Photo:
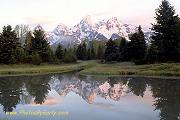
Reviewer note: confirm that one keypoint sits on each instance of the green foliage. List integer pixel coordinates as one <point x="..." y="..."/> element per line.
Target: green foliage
<point x="137" y="50"/>
<point x="111" y="52"/>
<point x="122" y="44"/>
<point x="93" y="53"/>
<point x="152" y="54"/>
<point x="40" y="45"/>
<point x="166" y="32"/>
<point x="28" y="43"/>
<point x="50" y="55"/>
<point x="20" y="55"/>
<point x="36" y="59"/>
<point x="8" y="45"/>
<point x="59" y="52"/>
<point x="81" y="51"/>
<point x="70" y="57"/>
<point x="123" y="50"/>
<point x="89" y="54"/>
<point x="100" y="52"/>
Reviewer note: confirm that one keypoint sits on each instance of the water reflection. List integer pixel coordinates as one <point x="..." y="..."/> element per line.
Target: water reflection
<point x="25" y="90"/>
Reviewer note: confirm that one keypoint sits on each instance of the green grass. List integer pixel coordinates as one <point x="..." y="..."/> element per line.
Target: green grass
<point x="28" y="69"/>
<point x="125" y="68"/>
<point x="95" y="68"/>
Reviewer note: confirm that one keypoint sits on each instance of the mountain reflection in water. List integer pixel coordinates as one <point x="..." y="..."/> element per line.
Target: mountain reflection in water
<point x="35" y="89"/>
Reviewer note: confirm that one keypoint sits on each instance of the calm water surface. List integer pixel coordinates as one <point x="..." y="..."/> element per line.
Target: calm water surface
<point x="73" y="97"/>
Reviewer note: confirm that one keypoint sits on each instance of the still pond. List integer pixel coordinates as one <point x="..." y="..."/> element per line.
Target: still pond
<point x="74" y="97"/>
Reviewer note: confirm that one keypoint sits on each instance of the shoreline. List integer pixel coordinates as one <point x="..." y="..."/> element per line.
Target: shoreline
<point x="94" y="68"/>
<point x="44" y="69"/>
<point x="135" y="76"/>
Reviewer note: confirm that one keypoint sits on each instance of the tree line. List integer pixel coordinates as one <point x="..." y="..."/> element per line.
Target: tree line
<point x="164" y="46"/>
<point x="35" y="48"/>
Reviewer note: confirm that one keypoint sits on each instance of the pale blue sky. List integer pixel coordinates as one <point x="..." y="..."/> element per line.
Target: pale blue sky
<point x="51" y="12"/>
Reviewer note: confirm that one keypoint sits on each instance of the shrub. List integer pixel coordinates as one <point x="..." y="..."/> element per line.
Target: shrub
<point x="36" y="59"/>
<point x="20" y="55"/>
<point x="70" y="57"/>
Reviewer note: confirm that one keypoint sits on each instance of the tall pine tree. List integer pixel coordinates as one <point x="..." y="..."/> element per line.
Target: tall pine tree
<point x="111" y="52"/>
<point x="122" y="49"/>
<point x="40" y="44"/>
<point x="8" y="45"/>
<point x="166" y="32"/>
<point x="81" y="51"/>
<point x="137" y="46"/>
<point x="100" y="52"/>
<point x="59" y="52"/>
<point x="28" y="43"/>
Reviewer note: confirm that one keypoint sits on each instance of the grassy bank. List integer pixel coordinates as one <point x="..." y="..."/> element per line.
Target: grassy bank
<point x="164" y="69"/>
<point x="27" y="69"/>
<point x="94" y="68"/>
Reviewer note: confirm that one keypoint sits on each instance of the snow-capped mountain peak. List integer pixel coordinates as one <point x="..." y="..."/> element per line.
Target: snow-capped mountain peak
<point x="113" y="23"/>
<point x="87" y="20"/>
<point x="39" y="27"/>
<point x="61" y="29"/>
<point x="115" y="27"/>
<point x="88" y="29"/>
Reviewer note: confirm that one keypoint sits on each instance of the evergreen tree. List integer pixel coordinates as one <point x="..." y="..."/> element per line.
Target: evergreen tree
<point x="152" y="53"/>
<point x="166" y="32"/>
<point x="126" y="53"/>
<point x="111" y="52"/>
<point x="122" y="49"/>
<point x="70" y="57"/>
<point x="137" y="46"/>
<point x="81" y="52"/>
<point x="8" y="44"/>
<point x="122" y="44"/>
<point x="51" y="56"/>
<point x="40" y="44"/>
<point x="59" y="52"/>
<point x="20" y="55"/>
<point x="28" y="44"/>
<point x="93" y="53"/>
<point x="100" y="52"/>
<point x="89" y="54"/>
<point x="35" y="58"/>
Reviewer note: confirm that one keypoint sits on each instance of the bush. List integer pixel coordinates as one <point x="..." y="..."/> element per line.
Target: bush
<point x="59" y="52"/>
<point x="51" y="56"/>
<point x="36" y="59"/>
<point x="20" y="55"/>
<point x="70" y="57"/>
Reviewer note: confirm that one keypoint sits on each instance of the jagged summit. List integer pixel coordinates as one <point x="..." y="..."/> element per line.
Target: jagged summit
<point x="61" y="29"/>
<point x="88" y="29"/>
<point x="39" y="27"/>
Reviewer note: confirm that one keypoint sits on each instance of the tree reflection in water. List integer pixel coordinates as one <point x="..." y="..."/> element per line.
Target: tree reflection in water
<point x="10" y="91"/>
<point x="167" y="98"/>
<point x="17" y="90"/>
<point x="38" y="88"/>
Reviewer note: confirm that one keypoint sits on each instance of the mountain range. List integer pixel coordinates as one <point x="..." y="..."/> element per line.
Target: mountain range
<point x="86" y="29"/>
<point x="89" y="30"/>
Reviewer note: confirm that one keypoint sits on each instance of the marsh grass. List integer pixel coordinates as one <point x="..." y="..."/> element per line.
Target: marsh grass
<point x="25" y="69"/>
<point x="94" y="68"/>
<point x="164" y="69"/>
